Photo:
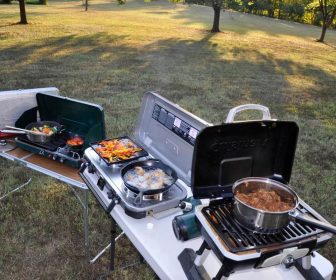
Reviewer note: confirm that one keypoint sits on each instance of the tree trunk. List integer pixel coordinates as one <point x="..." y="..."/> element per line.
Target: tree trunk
<point x="324" y="30"/>
<point x="23" y="17"/>
<point x="215" y="26"/>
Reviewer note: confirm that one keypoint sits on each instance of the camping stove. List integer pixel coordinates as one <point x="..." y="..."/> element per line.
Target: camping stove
<point x="237" y="248"/>
<point x="106" y="184"/>
<point x="75" y="116"/>
<point x="224" y="154"/>
<point x="56" y="150"/>
<point x="166" y="132"/>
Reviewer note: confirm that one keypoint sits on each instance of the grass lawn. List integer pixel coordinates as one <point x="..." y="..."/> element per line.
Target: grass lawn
<point x="112" y="55"/>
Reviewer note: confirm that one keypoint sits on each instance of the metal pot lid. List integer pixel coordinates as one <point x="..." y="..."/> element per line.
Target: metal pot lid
<point x="228" y="152"/>
<point x="7" y="145"/>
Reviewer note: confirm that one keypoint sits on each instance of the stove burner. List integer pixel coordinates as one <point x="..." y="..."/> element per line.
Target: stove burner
<point x="67" y="151"/>
<point x="138" y="198"/>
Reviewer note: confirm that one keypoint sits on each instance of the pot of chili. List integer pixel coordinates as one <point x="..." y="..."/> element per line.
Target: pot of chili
<point x="265" y="205"/>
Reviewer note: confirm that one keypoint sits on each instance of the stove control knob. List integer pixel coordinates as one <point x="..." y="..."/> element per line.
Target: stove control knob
<point x="54" y="157"/>
<point x="288" y="261"/>
<point x="101" y="183"/>
<point x="91" y="168"/>
<point x="110" y="194"/>
<point x="61" y="160"/>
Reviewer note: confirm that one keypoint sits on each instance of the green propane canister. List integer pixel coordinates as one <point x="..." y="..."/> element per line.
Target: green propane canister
<point x="185" y="226"/>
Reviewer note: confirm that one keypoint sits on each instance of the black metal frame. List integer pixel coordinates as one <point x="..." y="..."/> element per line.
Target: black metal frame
<point x="239" y="239"/>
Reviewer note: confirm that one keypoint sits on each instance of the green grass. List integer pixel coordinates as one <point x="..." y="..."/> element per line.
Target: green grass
<point x="112" y="55"/>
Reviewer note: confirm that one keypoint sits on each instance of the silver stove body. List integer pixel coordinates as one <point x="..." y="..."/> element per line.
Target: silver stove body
<point x="167" y="132"/>
<point x="114" y="183"/>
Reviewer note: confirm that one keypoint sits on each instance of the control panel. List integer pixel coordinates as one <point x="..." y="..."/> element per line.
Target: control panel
<point x="175" y="124"/>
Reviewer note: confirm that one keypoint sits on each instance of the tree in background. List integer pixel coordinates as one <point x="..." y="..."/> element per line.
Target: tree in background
<point x="23" y="17"/>
<point x="327" y="10"/>
<point x="217" y="7"/>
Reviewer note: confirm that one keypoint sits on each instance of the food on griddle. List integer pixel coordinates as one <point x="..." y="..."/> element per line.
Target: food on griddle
<point x="267" y="200"/>
<point x="117" y="149"/>
<point x="148" y="178"/>
<point x="46" y="129"/>
<point x="75" y="141"/>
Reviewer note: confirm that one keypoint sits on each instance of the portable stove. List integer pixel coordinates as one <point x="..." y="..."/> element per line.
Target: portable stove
<point x="166" y="132"/>
<point x="77" y="117"/>
<point x="224" y="154"/>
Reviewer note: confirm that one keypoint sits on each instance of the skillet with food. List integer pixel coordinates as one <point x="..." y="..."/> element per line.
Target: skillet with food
<point x="148" y="177"/>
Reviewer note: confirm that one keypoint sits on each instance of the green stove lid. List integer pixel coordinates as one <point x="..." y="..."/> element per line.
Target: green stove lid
<point x="76" y="116"/>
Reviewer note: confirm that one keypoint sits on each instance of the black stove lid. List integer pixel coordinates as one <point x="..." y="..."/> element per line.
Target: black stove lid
<point x="228" y="152"/>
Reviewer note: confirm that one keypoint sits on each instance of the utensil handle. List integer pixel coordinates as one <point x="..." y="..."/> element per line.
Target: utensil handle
<point x="17" y="128"/>
<point x="265" y="111"/>
<point x="313" y="222"/>
<point x="25" y="130"/>
<point x="12" y="131"/>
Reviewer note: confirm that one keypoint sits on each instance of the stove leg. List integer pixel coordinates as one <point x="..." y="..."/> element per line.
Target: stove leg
<point x="113" y="237"/>
<point x="202" y="248"/>
<point x="221" y="273"/>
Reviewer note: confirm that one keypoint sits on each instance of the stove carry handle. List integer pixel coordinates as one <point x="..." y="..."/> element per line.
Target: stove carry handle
<point x="265" y="111"/>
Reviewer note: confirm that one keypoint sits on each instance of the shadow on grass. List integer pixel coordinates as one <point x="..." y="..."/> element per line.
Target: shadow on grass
<point x="232" y="21"/>
<point x="204" y="79"/>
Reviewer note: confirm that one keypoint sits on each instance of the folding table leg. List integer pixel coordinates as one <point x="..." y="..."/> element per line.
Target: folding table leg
<point x="16" y="189"/>
<point x="113" y="237"/>
<point x="86" y="223"/>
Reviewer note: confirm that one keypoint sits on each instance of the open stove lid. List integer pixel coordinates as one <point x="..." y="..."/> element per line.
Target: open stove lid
<point x="168" y="133"/>
<point x="78" y="117"/>
<point x="231" y="151"/>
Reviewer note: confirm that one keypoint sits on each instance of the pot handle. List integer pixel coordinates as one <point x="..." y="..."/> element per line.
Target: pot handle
<point x="235" y="110"/>
<point x="139" y="197"/>
<point x="295" y="215"/>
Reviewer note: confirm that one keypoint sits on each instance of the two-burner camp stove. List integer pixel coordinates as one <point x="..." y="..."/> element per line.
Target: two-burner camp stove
<point x="166" y="132"/>
<point x="75" y="116"/>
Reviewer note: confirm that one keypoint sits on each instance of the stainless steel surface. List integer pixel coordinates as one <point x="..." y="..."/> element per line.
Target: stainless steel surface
<point x="235" y="110"/>
<point x="164" y="143"/>
<point x="113" y="180"/>
<point x="7" y="145"/>
<point x="260" y="220"/>
<point x="256" y="219"/>
<point x="33" y="136"/>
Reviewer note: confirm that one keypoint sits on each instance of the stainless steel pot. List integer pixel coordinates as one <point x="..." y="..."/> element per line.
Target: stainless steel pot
<point x="267" y="221"/>
<point x="42" y="138"/>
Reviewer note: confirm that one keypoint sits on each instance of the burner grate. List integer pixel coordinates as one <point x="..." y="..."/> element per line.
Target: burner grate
<point x="58" y="141"/>
<point x="238" y="238"/>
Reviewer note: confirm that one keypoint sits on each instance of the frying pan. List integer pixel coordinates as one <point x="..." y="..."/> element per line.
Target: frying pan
<point x="42" y="138"/>
<point x="75" y="147"/>
<point x="149" y="164"/>
<point x="267" y="221"/>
